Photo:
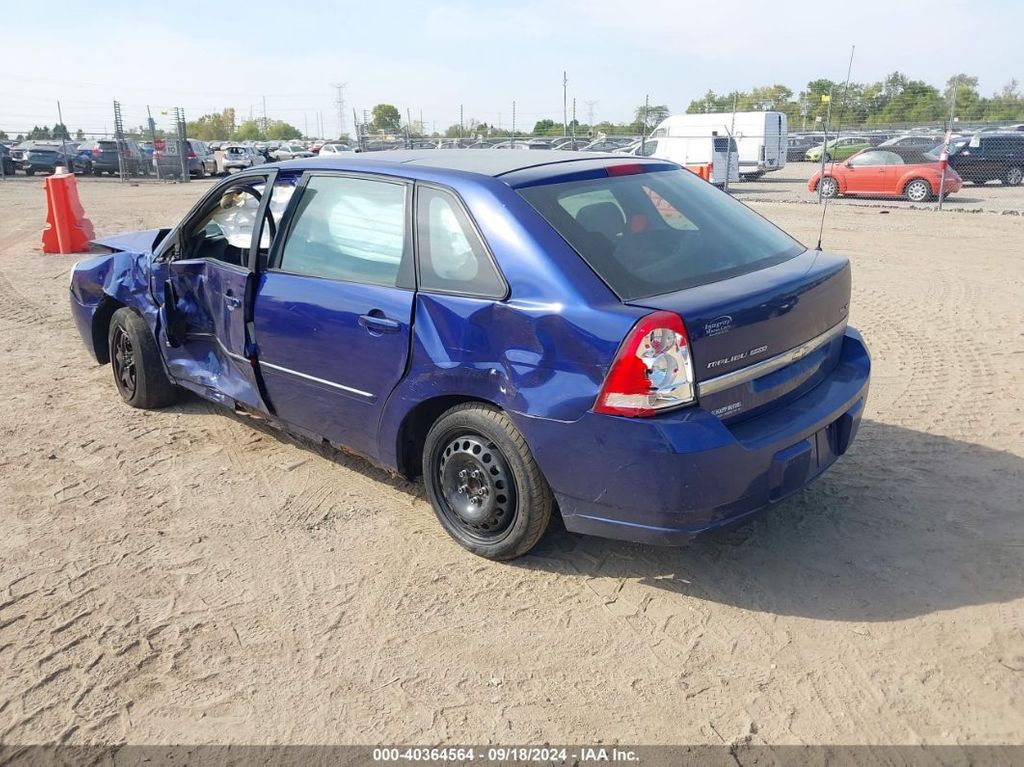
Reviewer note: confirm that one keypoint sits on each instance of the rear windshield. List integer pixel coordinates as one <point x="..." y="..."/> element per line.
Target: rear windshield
<point x="651" y="233"/>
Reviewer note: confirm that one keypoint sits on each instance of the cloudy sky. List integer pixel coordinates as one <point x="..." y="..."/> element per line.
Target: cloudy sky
<point x="430" y="57"/>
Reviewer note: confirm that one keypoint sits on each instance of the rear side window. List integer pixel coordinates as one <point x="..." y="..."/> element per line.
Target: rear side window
<point x="348" y="229"/>
<point x="453" y="258"/>
<point x="665" y="231"/>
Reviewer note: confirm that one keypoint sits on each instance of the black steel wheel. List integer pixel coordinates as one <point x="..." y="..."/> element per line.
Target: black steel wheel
<point x="135" y="358"/>
<point x="477" y="488"/>
<point x="483" y="482"/>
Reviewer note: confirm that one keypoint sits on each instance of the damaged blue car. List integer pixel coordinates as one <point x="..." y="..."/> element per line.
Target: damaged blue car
<point x="608" y="338"/>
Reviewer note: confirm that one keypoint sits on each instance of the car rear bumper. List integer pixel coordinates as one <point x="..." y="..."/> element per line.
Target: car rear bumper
<point x="666" y="479"/>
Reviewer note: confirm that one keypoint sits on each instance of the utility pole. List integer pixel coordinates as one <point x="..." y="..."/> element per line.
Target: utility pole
<point x="565" y="111"/>
<point x="461" y="124"/>
<point x="513" y="144"/>
<point x="339" y="102"/>
<point x="643" y="134"/>
<point x="63" y="144"/>
<point x="263" y="130"/>
<point x="944" y="157"/>
<point x="152" y="137"/>
<point x="590" y="112"/>
<point x="573" y="123"/>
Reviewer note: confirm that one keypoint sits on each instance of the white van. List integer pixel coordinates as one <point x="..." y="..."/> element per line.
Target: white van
<point x="695" y="153"/>
<point x="762" y="137"/>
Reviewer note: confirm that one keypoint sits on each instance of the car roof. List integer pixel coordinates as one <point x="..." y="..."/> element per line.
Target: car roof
<point x="908" y="153"/>
<point x="487" y="163"/>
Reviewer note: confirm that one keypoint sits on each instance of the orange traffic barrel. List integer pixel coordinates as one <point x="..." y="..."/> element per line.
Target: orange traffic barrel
<point x="67" y="229"/>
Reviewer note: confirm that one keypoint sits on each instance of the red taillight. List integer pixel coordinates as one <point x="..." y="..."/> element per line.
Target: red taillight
<point x="625" y="169"/>
<point x="95" y="151"/>
<point x="652" y="370"/>
<point x="191" y="155"/>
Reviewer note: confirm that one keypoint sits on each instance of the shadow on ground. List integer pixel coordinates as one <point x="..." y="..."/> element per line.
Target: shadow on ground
<point x="908" y="523"/>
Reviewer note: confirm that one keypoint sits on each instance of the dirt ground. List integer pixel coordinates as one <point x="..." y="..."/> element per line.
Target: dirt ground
<point x="185" y="577"/>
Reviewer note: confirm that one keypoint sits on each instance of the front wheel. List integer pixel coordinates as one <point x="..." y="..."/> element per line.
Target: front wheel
<point x="1014" y="176"/>
<point x="829" y="187"/>
<point x="484" y="484"/>
<point x="918" y="190"/>
<point x="135" y="358"/>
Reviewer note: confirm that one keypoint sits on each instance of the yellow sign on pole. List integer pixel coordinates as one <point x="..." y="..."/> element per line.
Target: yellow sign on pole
<point x="825" y="98"/>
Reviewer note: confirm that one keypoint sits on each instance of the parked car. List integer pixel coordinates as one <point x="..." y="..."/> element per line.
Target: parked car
<point x="238" y="157"/>
<point x="892" y="171"/>
<point x="9" y="166"/>
<point x="199" y="159"/>
<point x="838" y="149"/>
<point x="329" y="150"/>
<point x="290" y="152"/>
<point x="515" y="342"/>
<point x="990" y="157"/>
<point x="570" y="144"/>
<point x="922" y="141"/>
<point x="605" y="145"/>
<point x="797" y="146"/>
<point x="46" y="158"/>
<point x="107" y="159"/>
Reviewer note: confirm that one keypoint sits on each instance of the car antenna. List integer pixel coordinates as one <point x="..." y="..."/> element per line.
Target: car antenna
<point x="839" y="127"/>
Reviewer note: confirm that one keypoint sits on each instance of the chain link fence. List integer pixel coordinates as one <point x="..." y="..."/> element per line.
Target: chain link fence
<point x="843" y="143"/>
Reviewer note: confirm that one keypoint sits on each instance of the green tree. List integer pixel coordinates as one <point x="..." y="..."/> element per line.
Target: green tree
<point x="386" y="118"/>
<point x="79" y="135"/>
<point x="542" y="127"/>
<point x="279" y="130"/>
<point x="4" y="136"/>
<point x="60" y="131"/>
<point x="249" y="130"/>
<point x="969" y="103"/>
<point x="39" y="134"/>
<point x="647" y="117"/>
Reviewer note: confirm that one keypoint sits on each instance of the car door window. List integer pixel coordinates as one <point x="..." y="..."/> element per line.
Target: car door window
<point x="225" y="232"/>
<point x="452" y="256"/>
<point x="347" y="228"/>
<point x="867" y="159"/>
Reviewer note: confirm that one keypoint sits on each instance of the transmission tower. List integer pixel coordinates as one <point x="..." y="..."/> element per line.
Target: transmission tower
<point x="339" y="103"/>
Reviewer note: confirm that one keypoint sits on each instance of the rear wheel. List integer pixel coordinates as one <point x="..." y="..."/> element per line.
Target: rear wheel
<point x="829" y="187"/>
<point x="29" y="172"/>
<point x="917" y="190"/>
<point x="1014" y="176"/>
<point x="486" y="489"/>
<point x="138" y="370"/>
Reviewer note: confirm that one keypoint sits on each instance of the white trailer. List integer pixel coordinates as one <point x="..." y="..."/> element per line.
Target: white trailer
<point x="710" y="154"/>
<point x="762" y="137"/>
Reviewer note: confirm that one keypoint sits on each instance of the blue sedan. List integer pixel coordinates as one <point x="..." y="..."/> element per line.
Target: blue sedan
<point x="605" y="337"/>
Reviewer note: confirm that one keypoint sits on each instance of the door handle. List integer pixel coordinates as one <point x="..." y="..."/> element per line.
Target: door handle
<point x="376" y="322"/>
<point x="232" y="302"/>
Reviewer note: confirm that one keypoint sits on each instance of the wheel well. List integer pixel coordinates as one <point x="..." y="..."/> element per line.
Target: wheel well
<point x="101" y="327"/>
<point x="413" y="432"/>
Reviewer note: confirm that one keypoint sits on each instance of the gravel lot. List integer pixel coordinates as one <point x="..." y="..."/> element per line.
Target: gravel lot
<point x="187" y="577"/>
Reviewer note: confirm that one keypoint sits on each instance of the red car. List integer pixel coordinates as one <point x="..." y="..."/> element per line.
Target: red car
<point x="891" y="171"/>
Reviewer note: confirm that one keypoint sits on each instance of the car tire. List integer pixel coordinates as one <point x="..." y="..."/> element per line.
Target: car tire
<point x="1014" y="175"/>
<point x="829" y="187"/>
<point x="917" y="190"/>
<point x="135" y="359"/>
<point x="483" y="483"/>
<point x="29" y="172"/>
